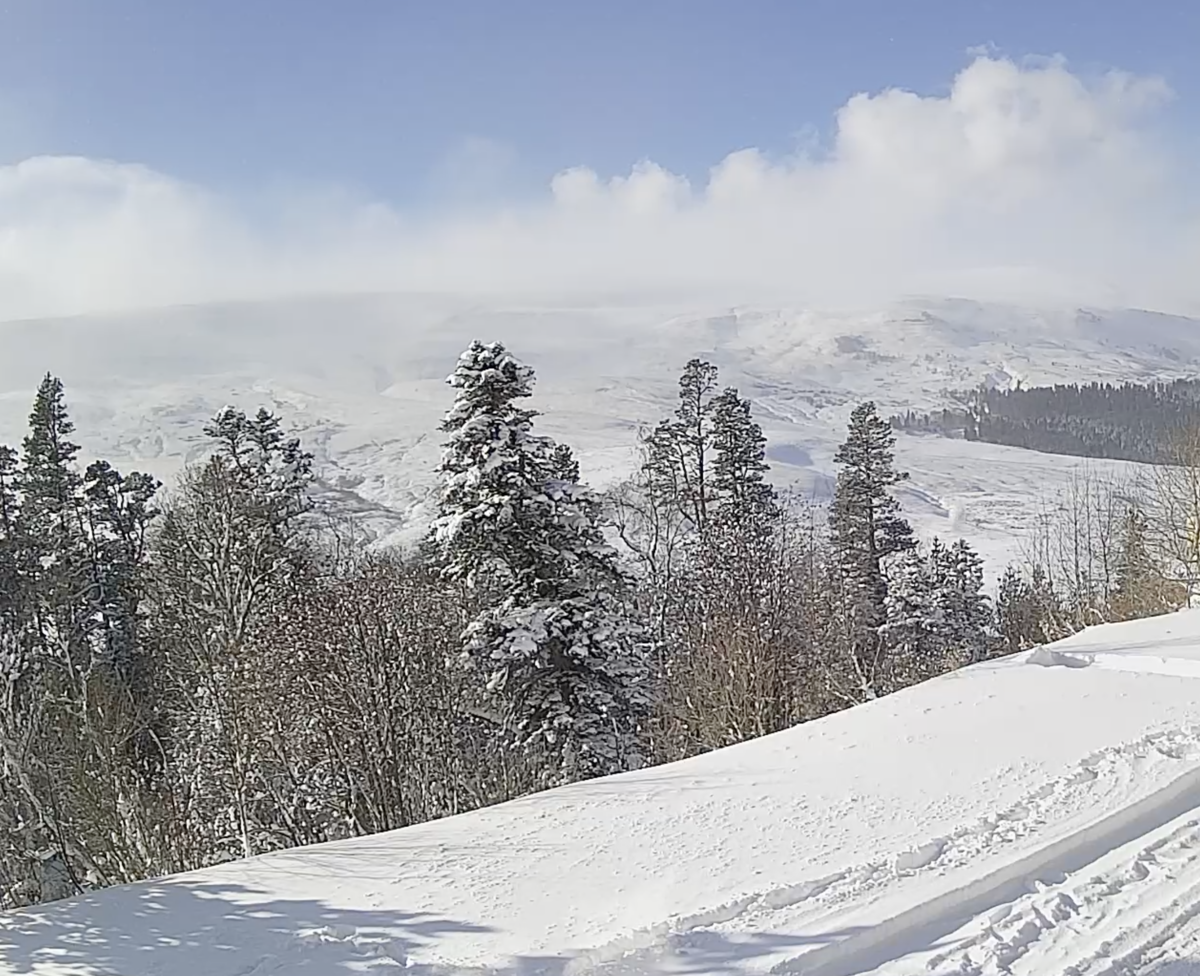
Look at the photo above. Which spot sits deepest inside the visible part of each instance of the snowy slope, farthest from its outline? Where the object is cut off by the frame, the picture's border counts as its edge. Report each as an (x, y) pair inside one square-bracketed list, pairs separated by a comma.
[(361, 377), (1036, 815)]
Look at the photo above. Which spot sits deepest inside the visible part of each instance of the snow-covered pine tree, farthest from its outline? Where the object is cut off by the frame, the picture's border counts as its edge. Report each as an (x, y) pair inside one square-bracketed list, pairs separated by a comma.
[(273, 472), (937, 616), (554, 647), (563, 465), (71, 718), (1028, 610), (739, 487), (966, 612), (866, 528), (12, 602), (118, 511), (912, 625), (493, 505)]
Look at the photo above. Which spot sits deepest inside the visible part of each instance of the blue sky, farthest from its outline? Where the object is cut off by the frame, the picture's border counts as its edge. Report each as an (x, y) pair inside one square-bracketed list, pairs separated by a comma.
[(396, 98), (826, 151)]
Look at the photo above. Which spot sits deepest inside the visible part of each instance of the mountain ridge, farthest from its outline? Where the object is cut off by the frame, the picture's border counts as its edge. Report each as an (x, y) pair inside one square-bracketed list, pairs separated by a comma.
[(360, 379)]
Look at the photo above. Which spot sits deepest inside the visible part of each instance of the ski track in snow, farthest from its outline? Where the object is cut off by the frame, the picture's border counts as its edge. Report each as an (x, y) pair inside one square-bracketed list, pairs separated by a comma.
[(1044, 903), (1094, 871)]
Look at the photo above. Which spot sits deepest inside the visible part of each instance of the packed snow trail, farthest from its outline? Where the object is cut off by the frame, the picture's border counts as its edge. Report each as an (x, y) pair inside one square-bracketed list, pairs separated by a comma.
[(867, 920), (1036, 815)]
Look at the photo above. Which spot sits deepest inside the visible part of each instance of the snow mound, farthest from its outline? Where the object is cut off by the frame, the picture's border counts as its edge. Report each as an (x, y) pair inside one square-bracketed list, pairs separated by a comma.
[(1000, 819), (1176, 649)]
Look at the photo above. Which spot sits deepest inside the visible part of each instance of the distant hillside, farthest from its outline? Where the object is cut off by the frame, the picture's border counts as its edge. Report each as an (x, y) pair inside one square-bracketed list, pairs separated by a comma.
[(1122, 422)]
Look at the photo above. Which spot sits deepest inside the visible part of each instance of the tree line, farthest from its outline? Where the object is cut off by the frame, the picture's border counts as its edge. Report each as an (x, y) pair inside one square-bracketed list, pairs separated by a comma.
[(1124, 422), (224, 668)]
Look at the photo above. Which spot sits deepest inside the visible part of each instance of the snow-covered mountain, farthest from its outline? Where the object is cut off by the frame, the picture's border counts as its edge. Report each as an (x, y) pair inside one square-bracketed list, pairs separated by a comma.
[(1034, 815), (361, 378)]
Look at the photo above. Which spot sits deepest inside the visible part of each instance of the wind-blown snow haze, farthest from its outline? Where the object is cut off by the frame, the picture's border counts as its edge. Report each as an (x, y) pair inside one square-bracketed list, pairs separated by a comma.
[(1022, 180)]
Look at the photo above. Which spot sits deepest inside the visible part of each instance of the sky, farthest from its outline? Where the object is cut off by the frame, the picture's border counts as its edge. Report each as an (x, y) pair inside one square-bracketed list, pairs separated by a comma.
[(833, 151)]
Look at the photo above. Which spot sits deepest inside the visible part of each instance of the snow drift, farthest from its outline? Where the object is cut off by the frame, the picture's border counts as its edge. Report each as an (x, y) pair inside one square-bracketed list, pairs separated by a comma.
[(1024, 815)]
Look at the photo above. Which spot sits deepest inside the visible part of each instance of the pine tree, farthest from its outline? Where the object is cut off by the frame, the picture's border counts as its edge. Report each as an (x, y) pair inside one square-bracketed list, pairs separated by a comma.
[(937, 616), (554, 645), (272, 471), (50, 526), (72, 721), (11, 597), (739, 467), (865, 518), (494, 471), (966, 611), (14, 609), (119, 511), (563, 465), (866, 529), (677, 455)]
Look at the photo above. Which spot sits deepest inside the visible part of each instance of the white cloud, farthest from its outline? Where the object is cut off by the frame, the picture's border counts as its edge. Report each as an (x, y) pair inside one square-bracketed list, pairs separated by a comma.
[(1024, 180)]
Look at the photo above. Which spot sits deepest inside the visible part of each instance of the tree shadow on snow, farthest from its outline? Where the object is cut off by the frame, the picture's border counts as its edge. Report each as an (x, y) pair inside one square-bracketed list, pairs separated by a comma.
[(191, 928), (716, 954), (185, 928), (1174, 967)]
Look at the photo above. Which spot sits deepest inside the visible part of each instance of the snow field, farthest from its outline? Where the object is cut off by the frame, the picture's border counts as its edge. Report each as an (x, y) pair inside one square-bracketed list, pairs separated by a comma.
[(1020, 816)]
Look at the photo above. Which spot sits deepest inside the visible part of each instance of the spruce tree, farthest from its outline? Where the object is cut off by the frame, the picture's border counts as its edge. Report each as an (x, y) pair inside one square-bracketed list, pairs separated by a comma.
[(866, 529), (912, 619), (119, 511), (739, 465), (554, 645), (865, 518), (10, 547), (937, 618), (866, 526), (677, 450), (14, 609), (965, 610), (51, 528)]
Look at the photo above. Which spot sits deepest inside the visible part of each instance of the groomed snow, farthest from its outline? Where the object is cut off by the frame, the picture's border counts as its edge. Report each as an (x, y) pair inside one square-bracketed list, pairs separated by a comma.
[(1035, 815)]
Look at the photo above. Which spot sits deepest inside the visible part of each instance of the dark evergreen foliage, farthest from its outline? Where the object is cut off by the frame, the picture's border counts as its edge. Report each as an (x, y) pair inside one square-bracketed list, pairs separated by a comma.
[(1125, 422)]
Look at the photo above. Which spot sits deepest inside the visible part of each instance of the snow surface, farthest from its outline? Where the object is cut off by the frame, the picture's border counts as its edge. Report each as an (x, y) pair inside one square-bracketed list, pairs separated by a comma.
[(1034, 815), (361, 378)]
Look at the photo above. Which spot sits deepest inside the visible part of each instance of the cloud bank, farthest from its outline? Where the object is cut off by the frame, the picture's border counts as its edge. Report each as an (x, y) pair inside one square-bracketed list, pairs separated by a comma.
[(1023, 181)]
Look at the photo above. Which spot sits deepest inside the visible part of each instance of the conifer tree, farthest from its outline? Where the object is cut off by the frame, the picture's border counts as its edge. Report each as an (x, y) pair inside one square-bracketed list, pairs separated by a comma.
[(966, 611), (866, 528), (677, 450), (739, 466), (50, 527), (554, 645), (11, 582)]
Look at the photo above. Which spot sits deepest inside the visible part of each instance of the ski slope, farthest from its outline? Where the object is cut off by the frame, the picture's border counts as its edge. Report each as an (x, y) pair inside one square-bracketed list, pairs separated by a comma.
[(1035, 815), (361, 379)]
